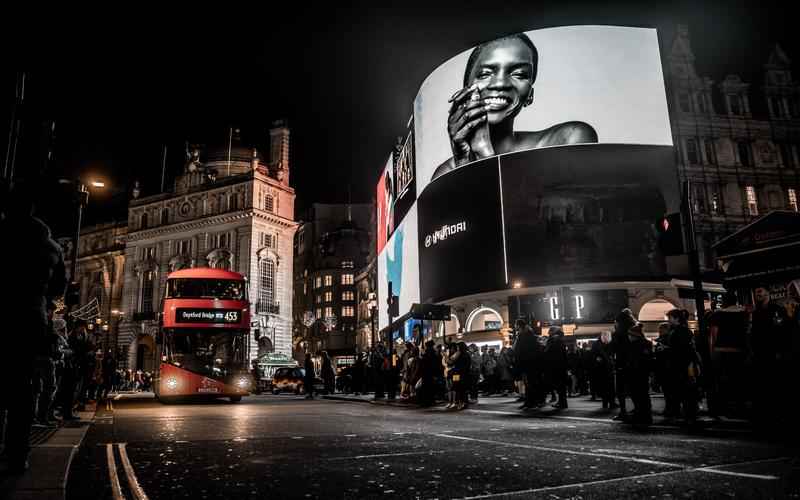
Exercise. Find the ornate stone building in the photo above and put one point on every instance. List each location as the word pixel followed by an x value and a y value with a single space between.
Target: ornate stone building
pixel 331 247
pixel 735 141
pixel 101 260
pixel 232 208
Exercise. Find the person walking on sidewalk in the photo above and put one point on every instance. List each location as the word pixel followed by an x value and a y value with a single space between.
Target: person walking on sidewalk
pixel 527 352
pixel 728 331
pixel 328 374
pixel 769 345
pixel 683 362
pixel 429 367
pixel 38 277
pixel 308 376
pixel 504 376
pixel 640 356
pixel 556 362
pixel 619 346
pixel 358 374
pixel 474 374
pixel 461 362
pixel 48 354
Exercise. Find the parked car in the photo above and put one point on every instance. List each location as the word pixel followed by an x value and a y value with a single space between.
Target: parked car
pixel 291 379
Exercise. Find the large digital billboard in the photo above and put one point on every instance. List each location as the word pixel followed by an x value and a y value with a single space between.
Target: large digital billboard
pixel 542 157
pixel 543 88
pixel 399 263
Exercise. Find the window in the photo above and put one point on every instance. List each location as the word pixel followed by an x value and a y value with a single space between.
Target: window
pixel 347 279
pixel 318 282
pixel 143 221
pixel 787 155
pixel 269 202
pixel 233 202
pixel 184 247
pixel 305 288
pixel 744 153
pixel 269 240
pixel 684 102
pixel 792 199
pixel 164 216
pixel 148 253
pixel 735 104
pixel 752 203
pixel 692 153
pixel 197 288
pixel 348 311
pixel 348 295
pixel 716 205
pixel 319 313
pixel 329 312
pixel 701 103
pixel 318 299
pixel 711 156
pixel 328 280
pixel 146 293
pixel 221 240
pixel 347 264
pixel 328 296
pixel 266 285
pixel 699 198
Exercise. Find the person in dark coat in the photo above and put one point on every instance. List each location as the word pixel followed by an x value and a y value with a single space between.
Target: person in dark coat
pixel 602 374
pixel 328 373
pixel 527 351
pixel 557 365
pixel 769 345
pixel 682 360
pixel 36 276
pixel 430 366
pixel 639 359
pixel 619 346
pixel 662 372
pixel 308 377
pixel 461 362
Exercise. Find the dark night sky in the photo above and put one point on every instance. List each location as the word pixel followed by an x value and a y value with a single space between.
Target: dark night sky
pixel 122 84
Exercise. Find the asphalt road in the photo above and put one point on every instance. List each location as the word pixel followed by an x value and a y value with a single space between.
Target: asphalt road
pixel 287 447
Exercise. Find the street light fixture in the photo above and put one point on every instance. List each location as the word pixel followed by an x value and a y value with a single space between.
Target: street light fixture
pixel 82 198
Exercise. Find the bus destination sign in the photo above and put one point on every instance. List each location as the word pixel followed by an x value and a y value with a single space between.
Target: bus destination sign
pixel 185 315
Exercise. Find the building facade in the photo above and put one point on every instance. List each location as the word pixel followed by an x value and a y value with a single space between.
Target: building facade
pixel 331 246
pixel 231 208
pixel 100 273
pixel 736 142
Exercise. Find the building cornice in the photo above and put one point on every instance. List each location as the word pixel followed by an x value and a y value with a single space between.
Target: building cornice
pixel 145 234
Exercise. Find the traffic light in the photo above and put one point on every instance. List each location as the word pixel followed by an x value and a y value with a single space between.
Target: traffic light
pixel 670 234
pixel 394 306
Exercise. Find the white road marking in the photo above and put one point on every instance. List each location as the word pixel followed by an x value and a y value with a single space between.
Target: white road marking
pixel 714 469
pixel 136 489
pixel 380 455
pixel 568 452
pixel 597 420
pixel 116 489
pixel 738 474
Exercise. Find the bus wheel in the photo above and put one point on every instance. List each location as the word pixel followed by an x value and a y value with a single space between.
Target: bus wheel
pixel 235 399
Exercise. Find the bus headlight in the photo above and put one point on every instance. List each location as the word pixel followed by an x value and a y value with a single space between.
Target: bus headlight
pixel 243 383
pixel 172 383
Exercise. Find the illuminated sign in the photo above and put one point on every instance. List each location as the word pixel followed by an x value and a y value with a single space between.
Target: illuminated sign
pixel 445 232
pixel 184 315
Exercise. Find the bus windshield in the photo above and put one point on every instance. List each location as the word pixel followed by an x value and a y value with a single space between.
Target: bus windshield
pixel 194 288
pixel 213 353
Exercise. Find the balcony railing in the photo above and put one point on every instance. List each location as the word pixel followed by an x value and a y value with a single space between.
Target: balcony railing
pixel 264 307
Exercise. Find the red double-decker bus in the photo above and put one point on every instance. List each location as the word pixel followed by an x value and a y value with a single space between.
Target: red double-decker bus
pixel 203 340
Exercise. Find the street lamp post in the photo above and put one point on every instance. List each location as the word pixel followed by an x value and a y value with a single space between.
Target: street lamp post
pixel 82 199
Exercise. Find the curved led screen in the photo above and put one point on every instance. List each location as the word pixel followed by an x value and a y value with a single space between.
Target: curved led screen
pixel 543 157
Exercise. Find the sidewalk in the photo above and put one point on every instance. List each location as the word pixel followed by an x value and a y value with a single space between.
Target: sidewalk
pixel 580 408
pixel 52 450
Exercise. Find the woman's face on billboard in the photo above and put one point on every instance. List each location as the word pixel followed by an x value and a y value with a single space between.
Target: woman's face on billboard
pixel 504 72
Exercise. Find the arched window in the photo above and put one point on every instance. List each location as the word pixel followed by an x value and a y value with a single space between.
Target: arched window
pixel 269 202
pixel 143 221
pixel 266 286
pixel 146 293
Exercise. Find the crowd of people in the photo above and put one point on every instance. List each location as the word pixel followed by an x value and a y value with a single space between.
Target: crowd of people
pixel 730 366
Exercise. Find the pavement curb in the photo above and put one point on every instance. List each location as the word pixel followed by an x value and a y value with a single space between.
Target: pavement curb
pixel 50 462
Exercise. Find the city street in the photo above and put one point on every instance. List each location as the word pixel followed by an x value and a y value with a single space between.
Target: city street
pixel 287 447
